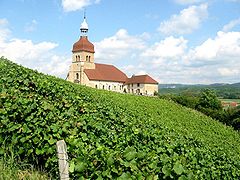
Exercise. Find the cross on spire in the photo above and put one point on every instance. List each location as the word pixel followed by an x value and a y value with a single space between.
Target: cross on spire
pixel 84 13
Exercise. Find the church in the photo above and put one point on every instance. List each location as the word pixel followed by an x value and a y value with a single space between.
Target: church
pixel 85 71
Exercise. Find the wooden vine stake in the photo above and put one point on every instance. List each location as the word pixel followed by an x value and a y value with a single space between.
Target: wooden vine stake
pixel 62 160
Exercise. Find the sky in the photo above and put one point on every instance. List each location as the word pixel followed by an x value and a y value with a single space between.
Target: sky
pixel 174 41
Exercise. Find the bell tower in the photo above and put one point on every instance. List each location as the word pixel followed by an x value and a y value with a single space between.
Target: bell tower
pixel 83 49
pixel 82 55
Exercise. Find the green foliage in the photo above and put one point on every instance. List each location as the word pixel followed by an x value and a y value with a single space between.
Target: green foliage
pixel 208 99
pixel 110 135
pixel 208 103
pixel 185 100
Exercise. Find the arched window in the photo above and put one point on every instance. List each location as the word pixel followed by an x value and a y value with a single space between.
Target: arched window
pixel 96 86
pixel 103 86
pixel 86 58
pixel 89 58
pixel 109 87
pixel 77 76
pixel 76 58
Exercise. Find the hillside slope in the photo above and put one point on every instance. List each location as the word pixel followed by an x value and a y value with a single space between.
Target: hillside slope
pixel 110 135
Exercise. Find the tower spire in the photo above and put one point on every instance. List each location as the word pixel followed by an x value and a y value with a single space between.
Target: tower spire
pixel 84 25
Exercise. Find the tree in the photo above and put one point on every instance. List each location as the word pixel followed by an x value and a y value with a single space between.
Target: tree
pixel 208 99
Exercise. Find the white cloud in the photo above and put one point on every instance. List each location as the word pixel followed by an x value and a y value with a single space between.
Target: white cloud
pixel 170 47
pixel 56 65
pixel 188 1
pixel 171 61
pixel 231 25
pixel 228 71
pixel 37 56
pixel 73 5
pixel 30 27
pixel 186 22
pixel 25 50
pixel 225 46
pixel 161 60
pixel 119 46
pixel 217 58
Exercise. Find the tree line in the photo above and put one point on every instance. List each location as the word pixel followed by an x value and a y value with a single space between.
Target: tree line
pixel 229 91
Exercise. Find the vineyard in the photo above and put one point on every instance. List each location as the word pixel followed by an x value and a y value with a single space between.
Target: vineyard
pixel 110 135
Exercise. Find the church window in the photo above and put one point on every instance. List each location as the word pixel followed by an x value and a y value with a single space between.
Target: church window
pixel 109 87
pixel 76 58
pixel 77 76
pixel 89 58
pixel 138 84
pixel 96 86
pixel 103 86
pixel 86 58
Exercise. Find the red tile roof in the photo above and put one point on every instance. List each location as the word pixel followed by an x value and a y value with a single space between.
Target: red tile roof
pixel 104 72
pixel 83 45
pixel 234 104
pixel 142 79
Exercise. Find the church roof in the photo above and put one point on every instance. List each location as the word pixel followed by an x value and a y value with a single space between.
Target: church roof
pixel 83 45
pixel 105 72
pixel 142 79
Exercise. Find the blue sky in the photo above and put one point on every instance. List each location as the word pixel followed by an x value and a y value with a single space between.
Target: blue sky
pixel 174 41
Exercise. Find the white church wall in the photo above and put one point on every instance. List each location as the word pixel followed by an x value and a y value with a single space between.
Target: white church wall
pixel 108 85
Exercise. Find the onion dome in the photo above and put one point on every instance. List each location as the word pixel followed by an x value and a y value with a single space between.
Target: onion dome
pixel 83 45
pixel 84 25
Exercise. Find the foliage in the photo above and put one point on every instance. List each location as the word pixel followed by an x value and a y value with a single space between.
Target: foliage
pixel 208 103
pixel 185 100
pixel 110 135
pixel 208 100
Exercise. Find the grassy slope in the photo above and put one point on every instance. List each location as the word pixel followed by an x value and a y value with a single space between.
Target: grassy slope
pixel 9 170
pixel 154 126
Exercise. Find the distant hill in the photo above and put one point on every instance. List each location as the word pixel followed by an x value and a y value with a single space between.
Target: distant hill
pixel 173 86
pixel 235 85
pixel 223 90
pixel 109 135
pixel 198 85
